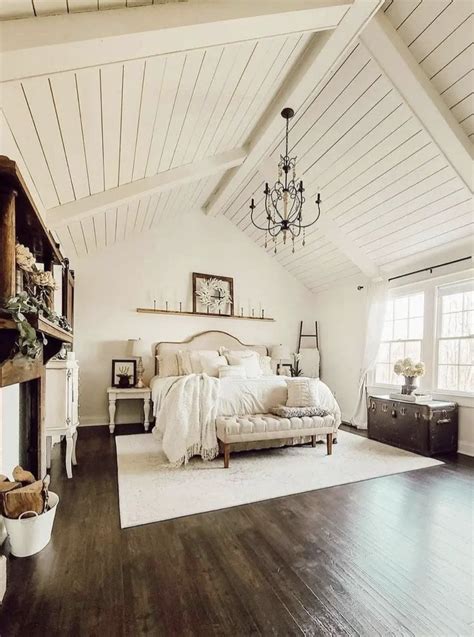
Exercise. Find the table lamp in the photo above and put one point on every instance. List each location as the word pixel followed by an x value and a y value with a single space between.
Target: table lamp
pixel 134 350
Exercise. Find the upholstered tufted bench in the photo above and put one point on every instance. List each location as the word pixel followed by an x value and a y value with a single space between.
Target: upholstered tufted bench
pixel 232 429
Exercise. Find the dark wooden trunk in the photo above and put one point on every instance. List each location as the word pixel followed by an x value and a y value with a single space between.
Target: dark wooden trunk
pixel 426 429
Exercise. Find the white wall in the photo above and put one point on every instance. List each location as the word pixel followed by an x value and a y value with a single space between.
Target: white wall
pixel 9 428
pixel 341 313
pixel 111 284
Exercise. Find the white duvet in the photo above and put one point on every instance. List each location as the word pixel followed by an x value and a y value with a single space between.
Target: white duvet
pixel 239 396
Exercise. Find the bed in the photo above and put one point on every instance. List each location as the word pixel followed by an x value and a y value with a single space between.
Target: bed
pixel 236 396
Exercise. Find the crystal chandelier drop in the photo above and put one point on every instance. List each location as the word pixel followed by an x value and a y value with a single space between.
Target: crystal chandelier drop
pixel 284 202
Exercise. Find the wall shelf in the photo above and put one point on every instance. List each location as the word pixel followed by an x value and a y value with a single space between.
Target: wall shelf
pixel 144 310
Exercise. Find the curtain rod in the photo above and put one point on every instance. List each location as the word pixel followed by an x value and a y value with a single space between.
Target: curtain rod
pixel 430 269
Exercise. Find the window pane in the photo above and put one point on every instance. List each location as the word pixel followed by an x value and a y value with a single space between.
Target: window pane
pixel 448 352
pixel 389 311
pixel 416 305
pixel 415 328
pixel 413 350
pixel 448 377
pixel 401 308
pixel 466 353
pixel 451 324
pixel 400 329
pixel 384 353
pixel 387 333
pixel 466 378
pixel 397 350
pixel 382 373
pixel 452 302
pixel 468 323
pixel 469 300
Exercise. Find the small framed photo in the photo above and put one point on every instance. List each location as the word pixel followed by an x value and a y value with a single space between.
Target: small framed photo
pixel 124 373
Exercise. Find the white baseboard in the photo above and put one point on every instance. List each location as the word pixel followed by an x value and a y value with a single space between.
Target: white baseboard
pixel 467 448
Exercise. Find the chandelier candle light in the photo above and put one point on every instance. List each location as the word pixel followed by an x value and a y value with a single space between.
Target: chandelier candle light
pixel 284 202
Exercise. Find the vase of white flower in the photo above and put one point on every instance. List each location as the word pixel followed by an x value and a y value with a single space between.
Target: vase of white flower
pixel 409 386
pixel 410 371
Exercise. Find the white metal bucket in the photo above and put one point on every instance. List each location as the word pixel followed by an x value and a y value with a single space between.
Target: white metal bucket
pixel 30 535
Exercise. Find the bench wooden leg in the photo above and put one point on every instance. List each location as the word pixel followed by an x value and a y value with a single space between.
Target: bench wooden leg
pixel 329 443
pixel 313 441
pixel 226 455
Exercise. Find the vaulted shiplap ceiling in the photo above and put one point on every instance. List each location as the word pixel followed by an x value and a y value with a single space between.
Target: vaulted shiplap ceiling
pixel 382 179
pixel 12 9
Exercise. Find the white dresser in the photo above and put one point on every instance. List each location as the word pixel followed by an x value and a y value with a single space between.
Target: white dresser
pixel 62 408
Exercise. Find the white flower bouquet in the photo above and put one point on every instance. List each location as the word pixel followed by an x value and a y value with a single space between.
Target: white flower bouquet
pixel 408 368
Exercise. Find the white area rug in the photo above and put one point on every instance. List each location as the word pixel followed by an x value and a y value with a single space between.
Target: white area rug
pixel 151 491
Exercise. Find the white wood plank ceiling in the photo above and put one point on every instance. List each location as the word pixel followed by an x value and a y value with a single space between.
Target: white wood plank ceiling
pixel 386 185
pixel 439 34
pixel 13 9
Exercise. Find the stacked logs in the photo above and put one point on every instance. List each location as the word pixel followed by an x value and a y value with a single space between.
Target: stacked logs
pixel 23 495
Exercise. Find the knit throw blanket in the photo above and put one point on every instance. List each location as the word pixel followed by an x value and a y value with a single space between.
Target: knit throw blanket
pixel 185 422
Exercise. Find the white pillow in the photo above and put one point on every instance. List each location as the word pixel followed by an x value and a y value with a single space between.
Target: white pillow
pixel 245 358
pixel 184 363
pixel 302 392
pixel 211 363
pixel 232 371
pixel 266 365
pixel 167 364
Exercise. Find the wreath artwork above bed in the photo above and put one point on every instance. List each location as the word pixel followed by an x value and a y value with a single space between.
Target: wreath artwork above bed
pixel 213 294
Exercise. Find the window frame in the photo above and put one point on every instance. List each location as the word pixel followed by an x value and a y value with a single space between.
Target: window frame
pixel 429 344
pixel 438 337
pixel 397 294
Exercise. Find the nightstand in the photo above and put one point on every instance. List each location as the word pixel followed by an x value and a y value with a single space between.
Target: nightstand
pixel 131 393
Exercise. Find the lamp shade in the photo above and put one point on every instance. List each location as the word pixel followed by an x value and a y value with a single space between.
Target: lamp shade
pixel 133 347
pixel 280 352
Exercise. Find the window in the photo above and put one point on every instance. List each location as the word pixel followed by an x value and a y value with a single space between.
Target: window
pixel 402 335
pixel 455 344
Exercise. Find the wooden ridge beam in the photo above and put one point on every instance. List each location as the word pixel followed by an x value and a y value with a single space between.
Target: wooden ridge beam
pixel 319 58
pixel 396 61
pixel 52 44
pixel 167 180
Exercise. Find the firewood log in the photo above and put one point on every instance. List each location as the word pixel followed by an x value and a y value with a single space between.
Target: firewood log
pixel 23 476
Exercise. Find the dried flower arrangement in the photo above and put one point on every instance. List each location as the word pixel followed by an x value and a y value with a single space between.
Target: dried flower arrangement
pixel 33 299
pixel 408 368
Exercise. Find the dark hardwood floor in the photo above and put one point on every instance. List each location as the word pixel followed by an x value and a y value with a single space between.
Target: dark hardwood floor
pixel 388 556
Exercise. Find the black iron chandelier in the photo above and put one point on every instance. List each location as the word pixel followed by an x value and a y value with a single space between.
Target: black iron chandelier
pixel 284 202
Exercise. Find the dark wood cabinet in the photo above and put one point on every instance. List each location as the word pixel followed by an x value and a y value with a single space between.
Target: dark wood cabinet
pixel 427 429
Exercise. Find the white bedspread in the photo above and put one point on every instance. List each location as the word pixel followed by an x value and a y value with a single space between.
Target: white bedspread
pixel 238 396
pixel 186 410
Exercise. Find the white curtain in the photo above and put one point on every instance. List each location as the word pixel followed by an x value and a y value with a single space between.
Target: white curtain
pixel 376 301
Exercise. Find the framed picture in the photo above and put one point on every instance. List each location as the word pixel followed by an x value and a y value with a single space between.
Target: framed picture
pixel 213 294
pixel 124 373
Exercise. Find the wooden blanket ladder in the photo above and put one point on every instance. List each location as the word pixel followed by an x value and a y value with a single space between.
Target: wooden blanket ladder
pixel 315 335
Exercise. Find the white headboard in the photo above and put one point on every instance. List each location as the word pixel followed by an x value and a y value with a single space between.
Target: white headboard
pixel 207 340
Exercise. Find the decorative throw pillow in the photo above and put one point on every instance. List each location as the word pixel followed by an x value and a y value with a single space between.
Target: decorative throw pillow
pixel 266 365
pixel 184 363
pixel 246 358
pixel 167 364
pixel 211 363
pixel 232 371
pixel 298 412
pixel 302 392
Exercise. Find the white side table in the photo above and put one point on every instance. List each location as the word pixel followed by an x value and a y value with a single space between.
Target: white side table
pixel 132 393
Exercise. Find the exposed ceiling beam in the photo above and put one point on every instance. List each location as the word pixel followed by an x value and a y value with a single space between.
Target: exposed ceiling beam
pixel 62 215
pixel 51 44
pixel 401 68
pixel 338 237
pixel 319 58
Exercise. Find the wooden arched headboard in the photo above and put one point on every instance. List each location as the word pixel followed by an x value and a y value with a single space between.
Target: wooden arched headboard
pixel 213 339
